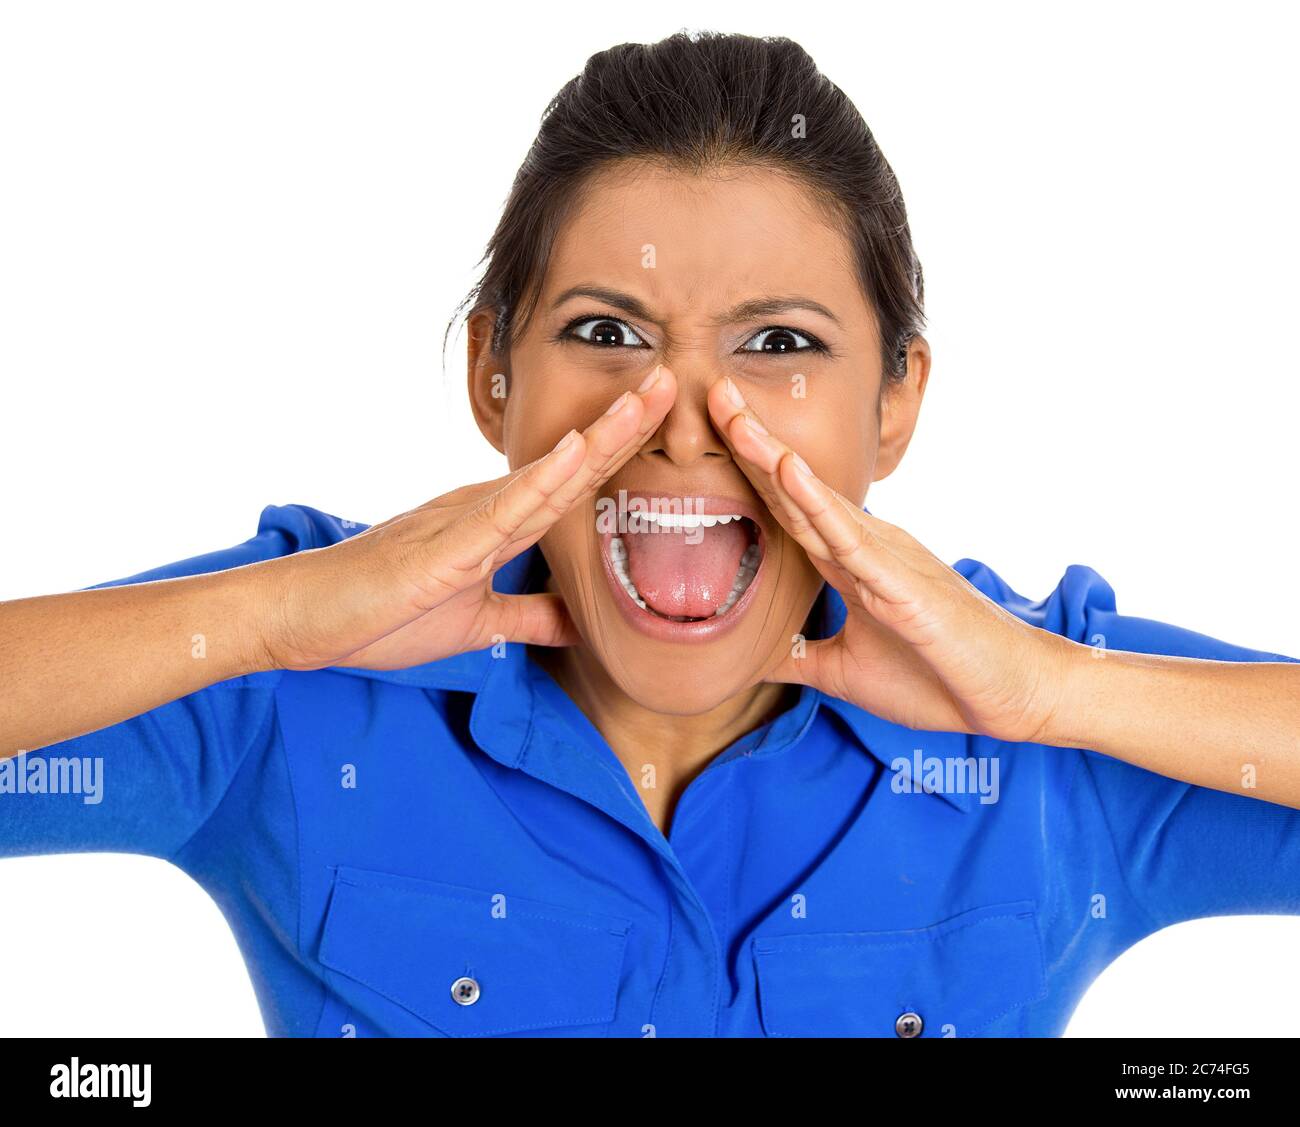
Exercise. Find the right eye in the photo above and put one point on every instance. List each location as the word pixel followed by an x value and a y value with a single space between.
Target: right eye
pixel 606 332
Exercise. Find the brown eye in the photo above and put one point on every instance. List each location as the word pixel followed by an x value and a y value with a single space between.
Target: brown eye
pixel 781 340
pixel 607 332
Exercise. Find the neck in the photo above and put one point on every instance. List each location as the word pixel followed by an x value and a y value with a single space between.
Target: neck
pixel 661 752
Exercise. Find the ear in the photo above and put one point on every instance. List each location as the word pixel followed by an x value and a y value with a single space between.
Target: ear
pixel 900 404
pixel 488 379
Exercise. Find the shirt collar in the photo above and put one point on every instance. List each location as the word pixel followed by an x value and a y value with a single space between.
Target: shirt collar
pixel 515 699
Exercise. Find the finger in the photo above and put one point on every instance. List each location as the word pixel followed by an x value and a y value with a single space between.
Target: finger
pixel 533 498
pixel 611 440
pixel 854 538
pixel 618 434
pixel 463 498
pixel 758 453
pixel 802 668
pixel 820 662
pixel 468 549
pixel 537 620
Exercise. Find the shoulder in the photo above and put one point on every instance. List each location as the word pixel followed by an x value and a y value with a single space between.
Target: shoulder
pixel 1082 606
pixel 281 531
pixel 1079 593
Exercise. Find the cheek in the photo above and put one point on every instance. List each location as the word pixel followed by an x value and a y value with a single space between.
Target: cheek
pixel 540 410
pixel 837 434
pixel 562 547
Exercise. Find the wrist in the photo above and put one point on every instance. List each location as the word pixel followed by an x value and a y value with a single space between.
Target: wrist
pixel 1072 685
pixel 250 600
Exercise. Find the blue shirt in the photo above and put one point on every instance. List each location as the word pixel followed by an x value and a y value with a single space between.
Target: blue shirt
pixel 454 850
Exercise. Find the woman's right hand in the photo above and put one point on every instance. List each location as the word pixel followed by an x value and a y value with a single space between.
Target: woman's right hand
pixel 418 587
pixel 411 590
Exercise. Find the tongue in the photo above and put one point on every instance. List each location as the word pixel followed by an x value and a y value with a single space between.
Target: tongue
pixel 680 574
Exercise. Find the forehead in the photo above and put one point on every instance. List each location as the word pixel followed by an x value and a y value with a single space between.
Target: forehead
pixel 694 242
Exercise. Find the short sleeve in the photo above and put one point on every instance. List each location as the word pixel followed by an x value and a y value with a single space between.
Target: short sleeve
pixel 147 784
pixel 1184 851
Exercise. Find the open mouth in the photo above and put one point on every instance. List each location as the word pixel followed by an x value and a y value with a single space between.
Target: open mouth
pixel 687 572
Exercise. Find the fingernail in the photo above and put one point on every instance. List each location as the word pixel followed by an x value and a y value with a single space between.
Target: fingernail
pixel 650 381
pixel 618 403
pixel 801 465
pixel 565 442
pixel 733 393
pixel 754 424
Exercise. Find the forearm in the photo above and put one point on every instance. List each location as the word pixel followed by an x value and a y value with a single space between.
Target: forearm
pixel 1232 726
pixel 77 662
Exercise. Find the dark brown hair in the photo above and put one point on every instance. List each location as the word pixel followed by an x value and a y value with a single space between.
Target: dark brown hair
pixel 700 101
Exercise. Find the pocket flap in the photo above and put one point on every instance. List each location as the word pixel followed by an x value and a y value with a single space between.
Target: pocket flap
pixel 532 965
pixel 959 976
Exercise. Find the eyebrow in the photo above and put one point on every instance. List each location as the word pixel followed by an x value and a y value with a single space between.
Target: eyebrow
pixel 745 311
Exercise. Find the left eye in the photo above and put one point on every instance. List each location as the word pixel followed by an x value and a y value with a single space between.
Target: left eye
pixel 779 340
pixel 607 332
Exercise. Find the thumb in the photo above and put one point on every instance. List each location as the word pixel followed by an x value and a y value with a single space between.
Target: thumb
pixel 803 664
pixel 539 620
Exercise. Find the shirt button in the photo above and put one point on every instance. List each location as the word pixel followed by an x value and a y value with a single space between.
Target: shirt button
pixel 909 1024
pixel 465 991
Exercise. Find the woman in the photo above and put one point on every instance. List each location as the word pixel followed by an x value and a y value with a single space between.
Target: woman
pixel 663 733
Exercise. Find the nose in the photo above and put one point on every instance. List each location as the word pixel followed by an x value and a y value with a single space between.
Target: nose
pixel 686 434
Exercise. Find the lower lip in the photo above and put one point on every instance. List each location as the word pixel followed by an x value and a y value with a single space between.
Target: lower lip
pixel 665 629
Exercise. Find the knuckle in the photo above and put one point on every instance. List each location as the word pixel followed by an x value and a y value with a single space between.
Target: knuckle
pixel 800 526
pixel 842 549
pixel 491 515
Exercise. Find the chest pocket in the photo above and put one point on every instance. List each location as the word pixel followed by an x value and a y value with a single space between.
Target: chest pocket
pixel 955 978
pixel 469 962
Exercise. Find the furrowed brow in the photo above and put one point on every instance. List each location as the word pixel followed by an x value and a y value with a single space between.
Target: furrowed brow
pixel 746 311
pixel 771 307
pixel 617 298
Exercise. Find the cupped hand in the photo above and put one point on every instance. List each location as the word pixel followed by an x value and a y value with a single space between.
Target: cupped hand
pixel 921 646
pixel 418 587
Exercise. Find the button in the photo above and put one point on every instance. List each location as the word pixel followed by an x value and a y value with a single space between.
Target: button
pixel 466 992
pixel 909 1025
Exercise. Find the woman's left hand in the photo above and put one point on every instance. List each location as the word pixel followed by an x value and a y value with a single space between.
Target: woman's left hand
pixel 920 646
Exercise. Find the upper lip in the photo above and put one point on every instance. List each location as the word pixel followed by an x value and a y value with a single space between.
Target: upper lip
pixel 701 504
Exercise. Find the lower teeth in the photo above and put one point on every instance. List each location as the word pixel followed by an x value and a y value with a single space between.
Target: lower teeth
pixel 744 576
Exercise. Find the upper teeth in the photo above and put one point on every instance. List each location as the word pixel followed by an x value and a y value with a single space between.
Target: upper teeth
pixel 686 520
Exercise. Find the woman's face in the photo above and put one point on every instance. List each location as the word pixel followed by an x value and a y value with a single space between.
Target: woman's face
pixel 686 254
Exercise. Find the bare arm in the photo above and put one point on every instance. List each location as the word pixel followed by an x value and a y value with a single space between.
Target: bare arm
pixel 78 662
pixel 924 647
pixel 1233 726
pixel 414 589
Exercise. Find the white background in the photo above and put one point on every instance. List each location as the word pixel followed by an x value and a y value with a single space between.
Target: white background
pixel 231 236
